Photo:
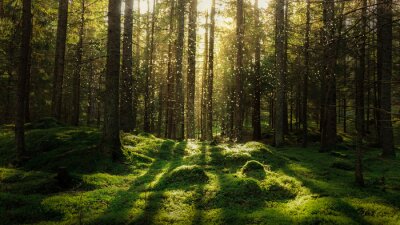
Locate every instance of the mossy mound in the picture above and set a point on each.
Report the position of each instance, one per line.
(44, 123)
(237, 157)
(187, 174)
(240, 192)
(254, 169)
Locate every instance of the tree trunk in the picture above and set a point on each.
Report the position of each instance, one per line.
(204, 84)
(90, 105)
(210, 76)
(256, 119)
(191, 72)
(170, 121)
(360, 74)
(59, 59)
(22, 78)
(137, 66)
(126, 107)
(111, 140)
(147, 113)
(239, 72)
(179, 75)
(328, 125)
(76, 93)
(384, 66)
(306, 75)
(280, 70)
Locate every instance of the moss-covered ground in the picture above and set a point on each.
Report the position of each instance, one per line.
(189, 182)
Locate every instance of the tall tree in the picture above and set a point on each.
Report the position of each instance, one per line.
(147, 66)
(203, 116)
(111, 143)
(306, 74)
(210, 73)
(137, 67)
(191, 70)
(239, 73)
(257, 76)
(170, 120)
(22, 78)
(126, 107)
(384, 67)
(360, 74)
(179, 74)
(59, 63)
(76, 84)
(328, 90)
(280, 70)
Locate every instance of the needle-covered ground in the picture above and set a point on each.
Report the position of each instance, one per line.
(167, 182)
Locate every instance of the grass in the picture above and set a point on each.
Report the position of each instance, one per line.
(167, 182)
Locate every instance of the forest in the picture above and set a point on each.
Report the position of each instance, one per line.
(199, 112)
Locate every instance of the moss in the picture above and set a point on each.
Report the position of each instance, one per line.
(342, 165)
(254, 169)
(44, 123)
(187, 174)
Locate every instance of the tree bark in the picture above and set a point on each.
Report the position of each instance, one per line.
(328, 125)
(170, 121)
(204, 84)
(239, 72)
(179, 75)
(22, 78)
(306, 74)
(191, 71)
(147, 113)
(210, 76)
(58, 77)
(360, 119)
(280, 70)
(256, 119)
(384, 66)
(111, 143)
(126, 107)
(76, 93)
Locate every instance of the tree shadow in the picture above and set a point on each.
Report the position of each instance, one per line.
(143, 188)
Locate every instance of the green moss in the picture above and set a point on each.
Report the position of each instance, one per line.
(187, 175)
(254, 169)
(167, 182)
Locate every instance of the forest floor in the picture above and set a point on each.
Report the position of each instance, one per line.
(167, 182)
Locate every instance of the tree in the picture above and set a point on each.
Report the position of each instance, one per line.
(76, 93)
(179, 65)
(257, 76)
(239, 71)
(191, 70)
(328, 82)
(126, 107)
(22, 78)
(306, 74)
(210, 77)
(59, 58)
(203, 119)
(384, 67)
(111, 143)
(360, 74)
(170, 121)
(280, 70)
